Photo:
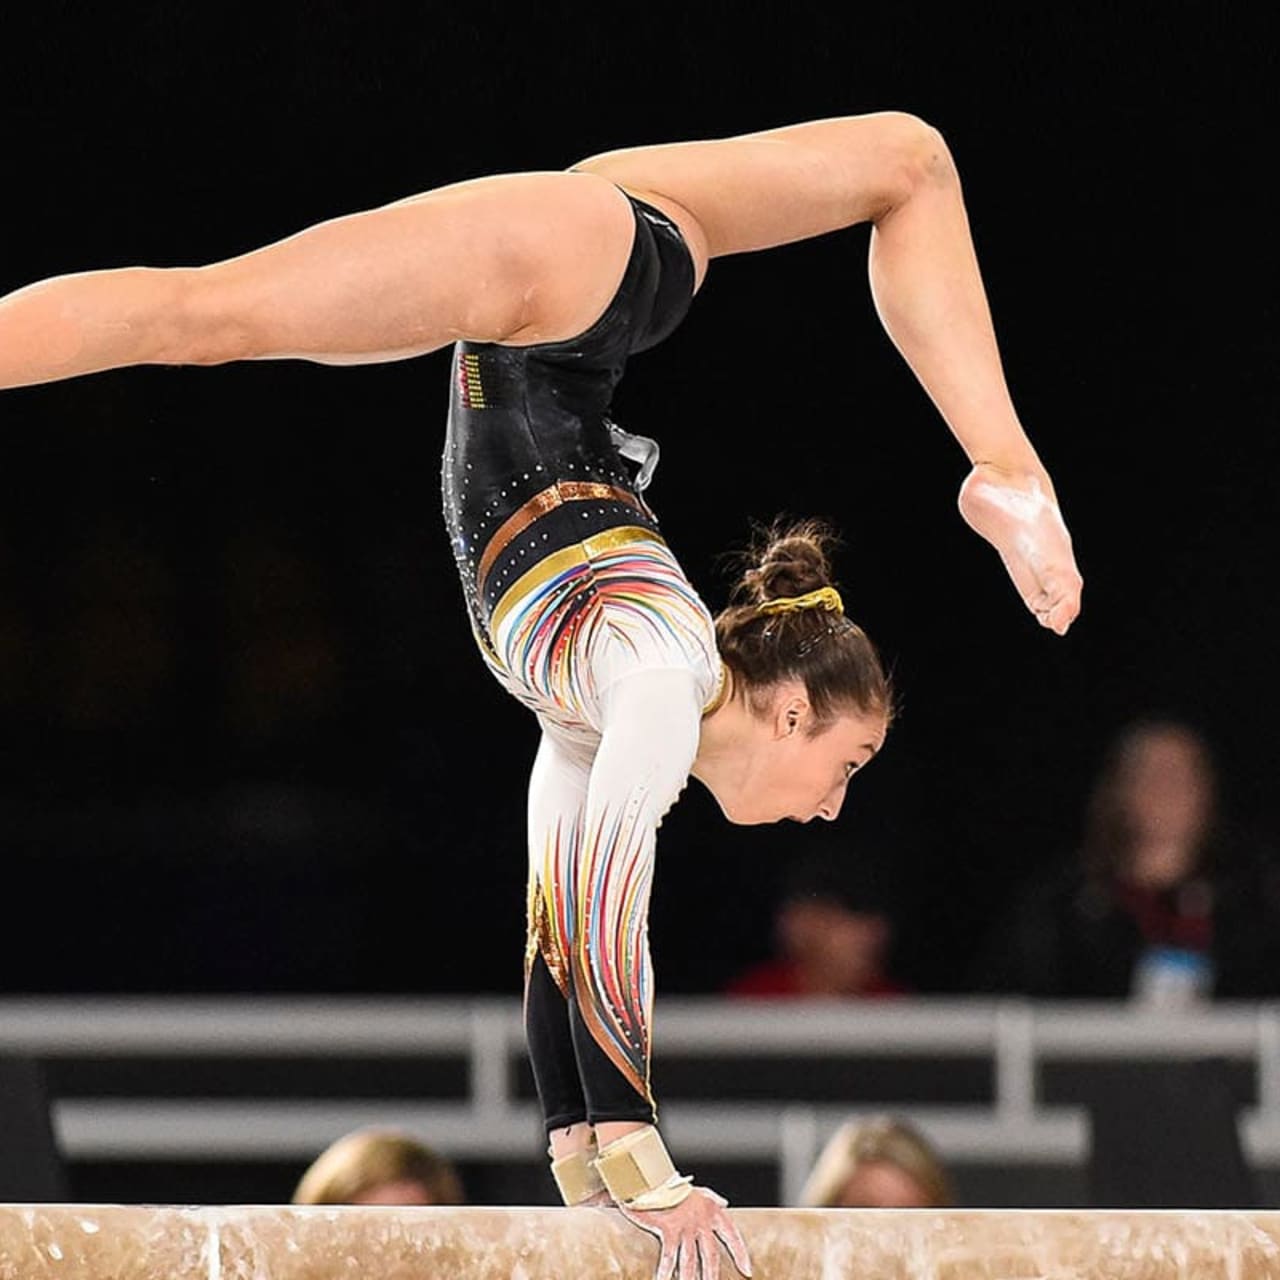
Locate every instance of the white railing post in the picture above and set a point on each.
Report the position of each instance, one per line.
(1015, 1061)
(797, 1151)
(489, 1065)
(1269, 1064)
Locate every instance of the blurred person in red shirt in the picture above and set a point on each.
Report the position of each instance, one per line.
(833, 932)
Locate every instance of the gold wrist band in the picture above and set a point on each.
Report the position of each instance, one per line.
(576, 1176)
(638, 1172)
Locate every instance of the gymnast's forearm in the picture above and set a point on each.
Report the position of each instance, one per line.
(71, 325)
(651, 725)
(929, 293)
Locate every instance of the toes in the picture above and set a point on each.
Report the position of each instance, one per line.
(1060, 616)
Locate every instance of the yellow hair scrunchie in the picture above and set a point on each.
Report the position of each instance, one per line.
(823, 598)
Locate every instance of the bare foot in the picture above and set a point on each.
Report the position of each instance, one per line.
(1016, 513)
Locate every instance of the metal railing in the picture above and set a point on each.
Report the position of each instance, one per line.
(1016, 1037)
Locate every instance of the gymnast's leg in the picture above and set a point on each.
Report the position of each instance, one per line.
(521, 257)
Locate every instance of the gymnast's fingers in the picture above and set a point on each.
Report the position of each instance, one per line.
(708, 1257)
(731, 1238)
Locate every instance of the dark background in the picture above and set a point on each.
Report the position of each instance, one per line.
(245, 742)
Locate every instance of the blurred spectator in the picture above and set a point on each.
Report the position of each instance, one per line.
(1160, 902)
(880, 1163)
(379, 1166)
(832, 932)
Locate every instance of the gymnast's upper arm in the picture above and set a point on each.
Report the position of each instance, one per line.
(763, 189)
(651, 721)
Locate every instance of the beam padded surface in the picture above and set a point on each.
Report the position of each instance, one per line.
(109, 1242)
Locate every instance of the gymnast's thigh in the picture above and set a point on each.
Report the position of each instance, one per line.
(515, 258)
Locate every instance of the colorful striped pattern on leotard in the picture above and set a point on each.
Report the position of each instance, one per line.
(579, 622)
(585, 615)
(593, 890)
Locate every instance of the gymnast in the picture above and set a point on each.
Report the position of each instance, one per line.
(546, 283)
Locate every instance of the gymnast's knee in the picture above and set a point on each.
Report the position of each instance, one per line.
(914, 155)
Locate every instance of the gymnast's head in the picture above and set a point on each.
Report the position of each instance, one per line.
(807, 702)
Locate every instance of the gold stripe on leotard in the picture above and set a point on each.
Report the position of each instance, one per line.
(558, 561)
(553, 496)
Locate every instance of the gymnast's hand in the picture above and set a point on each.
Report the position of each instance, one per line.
(1017, 513)
(687, 1235)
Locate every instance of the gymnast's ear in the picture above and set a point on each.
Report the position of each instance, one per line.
(790, 709)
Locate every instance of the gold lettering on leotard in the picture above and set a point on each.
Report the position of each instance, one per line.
(553, 496)
(471, 388)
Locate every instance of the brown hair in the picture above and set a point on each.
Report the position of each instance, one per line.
(828, 652)
(878, 1140)
(368, 1158)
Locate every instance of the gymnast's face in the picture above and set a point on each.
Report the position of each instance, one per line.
(784, 771)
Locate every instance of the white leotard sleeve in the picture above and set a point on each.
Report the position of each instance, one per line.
(592, 827)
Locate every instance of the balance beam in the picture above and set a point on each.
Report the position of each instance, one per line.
(114, 1242)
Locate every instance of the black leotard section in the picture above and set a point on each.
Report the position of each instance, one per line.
(523, 420)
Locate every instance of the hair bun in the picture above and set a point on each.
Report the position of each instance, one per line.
(790, 560)
(813, 641)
